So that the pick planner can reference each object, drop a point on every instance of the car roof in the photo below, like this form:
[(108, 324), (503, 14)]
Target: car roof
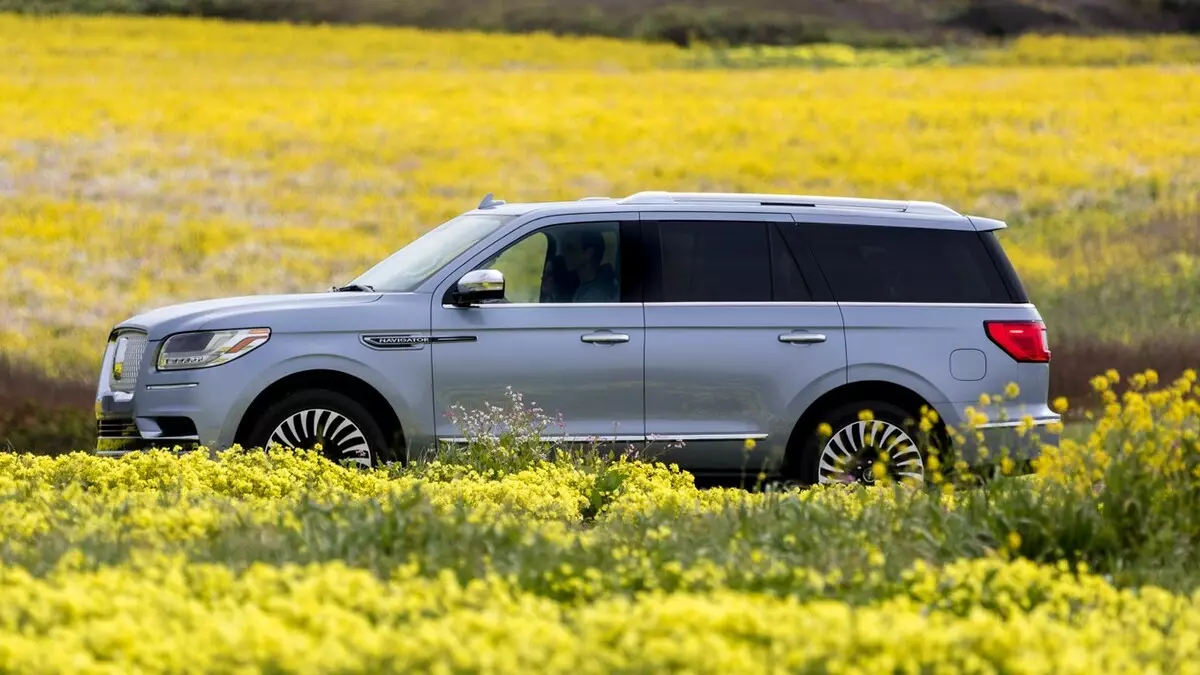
[(881, 211)]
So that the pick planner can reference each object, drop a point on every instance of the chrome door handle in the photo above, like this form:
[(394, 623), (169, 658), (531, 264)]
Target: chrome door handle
[(802, 338), (605, 338)]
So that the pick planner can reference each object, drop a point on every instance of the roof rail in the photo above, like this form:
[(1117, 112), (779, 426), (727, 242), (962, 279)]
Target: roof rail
[(916, 207), (983, 224)]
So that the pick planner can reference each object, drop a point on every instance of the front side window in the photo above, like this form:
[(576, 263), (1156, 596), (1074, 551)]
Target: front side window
[(866, 263), (408, 268), (568, 263), (714, 261)]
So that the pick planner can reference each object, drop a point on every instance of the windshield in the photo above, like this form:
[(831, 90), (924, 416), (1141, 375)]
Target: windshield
[(409, 267)]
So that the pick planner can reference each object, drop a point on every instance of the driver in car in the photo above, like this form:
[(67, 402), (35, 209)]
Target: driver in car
[(583, 255)]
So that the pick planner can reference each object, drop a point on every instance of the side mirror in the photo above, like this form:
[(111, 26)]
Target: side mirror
[(479, 286)]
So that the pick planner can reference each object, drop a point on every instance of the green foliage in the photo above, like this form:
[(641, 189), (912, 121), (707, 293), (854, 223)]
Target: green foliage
[(30, 427)]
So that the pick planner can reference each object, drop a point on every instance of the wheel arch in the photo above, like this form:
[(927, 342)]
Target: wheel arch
[(862, 390), (332, 380)]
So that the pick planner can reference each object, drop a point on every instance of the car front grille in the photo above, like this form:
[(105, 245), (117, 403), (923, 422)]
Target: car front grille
[(116, 427), (127, 361)]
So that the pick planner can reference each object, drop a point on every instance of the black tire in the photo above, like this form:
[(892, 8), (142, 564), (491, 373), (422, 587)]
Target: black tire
[(807, 468), (314, 411)]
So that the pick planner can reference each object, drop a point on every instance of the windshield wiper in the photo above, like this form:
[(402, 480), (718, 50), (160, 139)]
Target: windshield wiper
[(361, 288)]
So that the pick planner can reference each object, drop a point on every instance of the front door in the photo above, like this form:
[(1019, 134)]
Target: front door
[(568, 338), (735, 339)]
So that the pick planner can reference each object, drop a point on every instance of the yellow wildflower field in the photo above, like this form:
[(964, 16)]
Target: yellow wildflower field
[(285, 562), (145, 162)]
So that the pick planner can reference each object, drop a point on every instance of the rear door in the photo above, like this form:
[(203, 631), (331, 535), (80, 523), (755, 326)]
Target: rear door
[(736, 338)]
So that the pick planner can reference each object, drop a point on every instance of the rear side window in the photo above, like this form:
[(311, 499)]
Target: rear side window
[(713, 261), (864, 263)]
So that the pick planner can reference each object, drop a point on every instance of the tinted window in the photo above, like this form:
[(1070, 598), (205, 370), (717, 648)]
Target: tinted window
[(891, 264), (788, 283), (714, 261)]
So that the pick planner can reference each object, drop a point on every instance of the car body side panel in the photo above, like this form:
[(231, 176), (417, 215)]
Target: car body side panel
[(719, 375)]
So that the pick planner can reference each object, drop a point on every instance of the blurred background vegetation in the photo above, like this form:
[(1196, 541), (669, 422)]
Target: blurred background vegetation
[(890, 23)]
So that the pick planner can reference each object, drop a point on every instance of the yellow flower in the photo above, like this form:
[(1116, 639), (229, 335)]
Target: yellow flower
[(1012, 390), (750, 444), (1060, 404), (1007, 465), (866, 415), (1014, 541), (824, 430)]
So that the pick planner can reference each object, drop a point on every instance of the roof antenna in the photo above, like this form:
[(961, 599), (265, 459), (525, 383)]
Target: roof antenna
[(488, 202)]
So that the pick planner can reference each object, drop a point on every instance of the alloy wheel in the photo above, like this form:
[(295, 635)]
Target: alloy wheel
[(850, 454), (340, 438)]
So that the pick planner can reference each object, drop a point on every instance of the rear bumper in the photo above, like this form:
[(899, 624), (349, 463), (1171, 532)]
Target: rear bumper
[(1019, 441)]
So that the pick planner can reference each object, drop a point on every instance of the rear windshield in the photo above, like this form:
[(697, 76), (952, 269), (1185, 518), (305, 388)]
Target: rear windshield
[(865, 263)]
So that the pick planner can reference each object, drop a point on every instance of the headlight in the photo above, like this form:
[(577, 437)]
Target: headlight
[(209, 348)]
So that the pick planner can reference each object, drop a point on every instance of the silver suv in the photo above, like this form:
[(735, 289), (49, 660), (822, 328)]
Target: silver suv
[(696, 322)]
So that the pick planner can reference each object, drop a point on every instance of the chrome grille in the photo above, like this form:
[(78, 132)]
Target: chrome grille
[(116, 427), (127, 361)]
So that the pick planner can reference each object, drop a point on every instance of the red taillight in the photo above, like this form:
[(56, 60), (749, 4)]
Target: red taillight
[(1025, 341)]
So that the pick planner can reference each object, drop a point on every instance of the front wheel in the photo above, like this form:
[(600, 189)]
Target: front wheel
[(851, 453), (303, 419)]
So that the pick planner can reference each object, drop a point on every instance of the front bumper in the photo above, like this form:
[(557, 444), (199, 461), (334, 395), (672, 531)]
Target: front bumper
[(170, 410), (121, 427)]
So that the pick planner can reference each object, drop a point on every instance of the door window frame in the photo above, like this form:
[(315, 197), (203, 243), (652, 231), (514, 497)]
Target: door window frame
[(631, 252)]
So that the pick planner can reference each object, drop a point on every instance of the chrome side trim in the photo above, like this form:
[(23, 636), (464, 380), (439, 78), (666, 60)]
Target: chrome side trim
[(741, 304), (193, 439), (165, 387), (547, 305), (1008, 424), (942, 305), (567, 439), (710, 437), (635, 439), (979, 305)]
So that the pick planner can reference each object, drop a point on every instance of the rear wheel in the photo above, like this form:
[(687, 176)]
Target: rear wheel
[(343, 427), (851, 453)]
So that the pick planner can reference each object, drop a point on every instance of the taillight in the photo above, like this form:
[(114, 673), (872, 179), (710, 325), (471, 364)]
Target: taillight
[(1025, 341)]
